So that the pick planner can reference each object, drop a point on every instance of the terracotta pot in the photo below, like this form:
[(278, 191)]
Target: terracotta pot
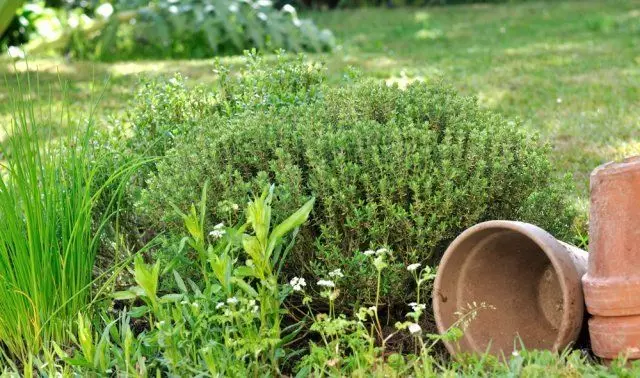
[(531, 280), (612, 283)]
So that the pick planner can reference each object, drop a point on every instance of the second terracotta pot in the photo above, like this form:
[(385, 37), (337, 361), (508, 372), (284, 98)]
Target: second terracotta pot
[(612, 284), (524, 284)]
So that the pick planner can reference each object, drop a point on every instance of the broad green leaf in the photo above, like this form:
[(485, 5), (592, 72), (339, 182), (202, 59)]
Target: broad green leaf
[(123, 295), (180, 282), (294, 220)]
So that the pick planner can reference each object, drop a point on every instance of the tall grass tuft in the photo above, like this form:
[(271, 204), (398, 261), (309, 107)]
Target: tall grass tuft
[(49, 236)]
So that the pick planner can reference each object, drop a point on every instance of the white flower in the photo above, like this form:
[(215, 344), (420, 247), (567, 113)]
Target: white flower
[(105, 10), (417, 306), (219, 305), (232, 300), (15, 52), (253, 306), (381, 251), (326, 283), (235, 207), (369, 252), (288, 9), (73, 21), (414, 328), (336, 273), (559, 100), (413, 267), (515, 353), (218, 231), (216, 234), (298, 283)]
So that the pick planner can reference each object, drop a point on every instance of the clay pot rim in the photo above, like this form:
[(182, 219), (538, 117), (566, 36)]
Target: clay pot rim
[(617, 167), (562, 265)]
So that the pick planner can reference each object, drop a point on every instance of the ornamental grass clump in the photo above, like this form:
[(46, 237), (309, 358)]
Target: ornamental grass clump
[(50, 232), (406, 169)]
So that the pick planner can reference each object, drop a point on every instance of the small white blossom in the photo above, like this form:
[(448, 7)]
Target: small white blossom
[(414, 328), (218, 231), (235, 207), (216, 234), (105, 10), (515, 353), (381, 251), (232, 300), (369, 252), (413, 267), (298, 283), (559, 100), (219, 305), (336, 273), (288, 9), (326, 283), (417, 306)]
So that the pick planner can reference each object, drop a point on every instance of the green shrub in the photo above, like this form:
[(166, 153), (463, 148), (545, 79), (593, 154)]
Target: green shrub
[(409, 169), (163, 109)]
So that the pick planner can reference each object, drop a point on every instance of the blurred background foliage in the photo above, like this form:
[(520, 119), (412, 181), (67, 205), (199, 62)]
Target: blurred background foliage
[(147, 29), (134, 29)]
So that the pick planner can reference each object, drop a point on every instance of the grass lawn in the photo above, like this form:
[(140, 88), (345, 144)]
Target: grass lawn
[(570, 69)]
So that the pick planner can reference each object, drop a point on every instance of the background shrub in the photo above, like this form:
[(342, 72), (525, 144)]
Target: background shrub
[(331, 4), (406, 169), (163, 109)]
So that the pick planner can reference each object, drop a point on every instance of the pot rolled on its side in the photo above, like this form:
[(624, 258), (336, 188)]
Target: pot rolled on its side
[(510, 284)]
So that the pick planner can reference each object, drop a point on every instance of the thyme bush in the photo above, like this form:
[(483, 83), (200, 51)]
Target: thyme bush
[(407, 169)]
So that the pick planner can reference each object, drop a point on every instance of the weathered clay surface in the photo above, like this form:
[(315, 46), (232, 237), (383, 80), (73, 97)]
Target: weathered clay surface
[(531, 280), (614, 336), (612, 283)]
